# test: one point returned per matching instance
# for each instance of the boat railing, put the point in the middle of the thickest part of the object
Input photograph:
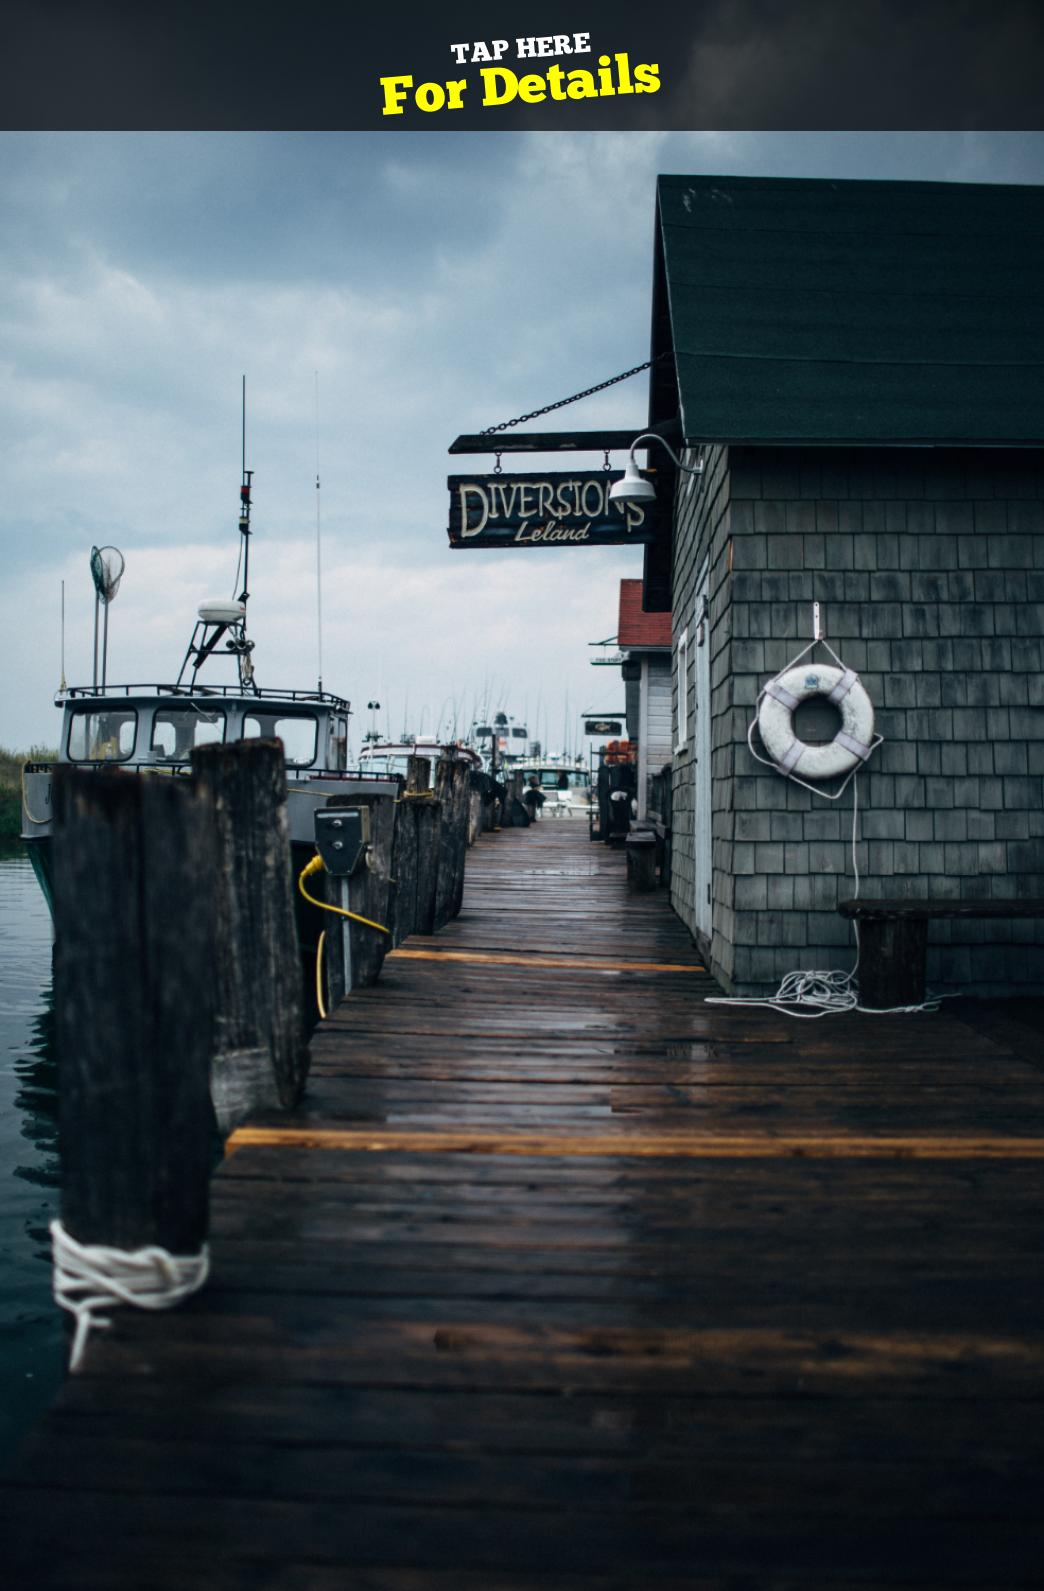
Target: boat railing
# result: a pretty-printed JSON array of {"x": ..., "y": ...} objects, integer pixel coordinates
[
  {"x": 296, "y": 775},
  {"x": 151, "y": 688}
]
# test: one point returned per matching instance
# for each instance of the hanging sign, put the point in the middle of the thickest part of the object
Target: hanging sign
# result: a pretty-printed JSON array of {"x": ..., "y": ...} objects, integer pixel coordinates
[
  {"x": 603, "y": 726},
  {"x": 559, "y": 509}
]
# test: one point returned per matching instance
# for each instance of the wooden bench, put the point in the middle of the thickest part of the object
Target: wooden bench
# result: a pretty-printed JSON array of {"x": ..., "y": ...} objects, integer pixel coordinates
[{"x": 893, "y": 941}]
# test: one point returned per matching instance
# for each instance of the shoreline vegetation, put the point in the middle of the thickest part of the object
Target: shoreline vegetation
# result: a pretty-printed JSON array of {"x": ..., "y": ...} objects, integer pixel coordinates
[{"x": 11, "y": 764}]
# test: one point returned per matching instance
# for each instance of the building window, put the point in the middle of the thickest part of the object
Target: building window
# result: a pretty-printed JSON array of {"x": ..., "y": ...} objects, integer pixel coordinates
[{"x": 683, "y": 691}]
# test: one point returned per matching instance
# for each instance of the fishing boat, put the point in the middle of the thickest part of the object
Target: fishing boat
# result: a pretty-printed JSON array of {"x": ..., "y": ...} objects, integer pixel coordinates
[
  {"x": 392, "y": 757},
  {"x": 502, "y": 742},
  {"x": 564, "y": 785},
  {"x": 156, "y": 727}
]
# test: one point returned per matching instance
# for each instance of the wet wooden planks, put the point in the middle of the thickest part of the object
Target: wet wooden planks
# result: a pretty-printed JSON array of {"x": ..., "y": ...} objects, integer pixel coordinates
[{"x": 592, "y": 1284}]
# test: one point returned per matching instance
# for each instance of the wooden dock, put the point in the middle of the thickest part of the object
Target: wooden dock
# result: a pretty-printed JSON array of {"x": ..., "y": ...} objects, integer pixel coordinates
[{"x": 564, "y": 1279}]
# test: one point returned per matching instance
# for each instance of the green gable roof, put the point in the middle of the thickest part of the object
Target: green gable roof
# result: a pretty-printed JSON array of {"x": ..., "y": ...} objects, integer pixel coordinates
[{"x": 860, "y": 312}]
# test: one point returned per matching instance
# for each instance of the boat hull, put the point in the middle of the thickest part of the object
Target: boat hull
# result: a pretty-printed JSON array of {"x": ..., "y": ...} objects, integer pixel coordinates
[{"x": 304, "y": 799}]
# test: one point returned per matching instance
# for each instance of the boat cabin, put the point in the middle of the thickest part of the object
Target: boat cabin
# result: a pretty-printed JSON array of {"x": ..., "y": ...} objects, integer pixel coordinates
[
  {"x": 142, "y": 726},
  {"x": 393, "y": 757},
  {"x": 566, "y": 787}
]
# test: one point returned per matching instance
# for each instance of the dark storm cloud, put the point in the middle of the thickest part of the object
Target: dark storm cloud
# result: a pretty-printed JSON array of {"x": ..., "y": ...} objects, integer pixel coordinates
[
  {"x": 255, "y": 207},
  {"x": 866, "y": 64}
]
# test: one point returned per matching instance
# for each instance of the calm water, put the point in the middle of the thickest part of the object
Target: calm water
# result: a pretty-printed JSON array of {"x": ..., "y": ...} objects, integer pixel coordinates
[{"x": 31, "y": 1327}]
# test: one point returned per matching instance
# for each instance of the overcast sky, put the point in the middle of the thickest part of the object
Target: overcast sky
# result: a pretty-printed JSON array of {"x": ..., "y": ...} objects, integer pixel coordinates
[{"x": 438, "y": 283}]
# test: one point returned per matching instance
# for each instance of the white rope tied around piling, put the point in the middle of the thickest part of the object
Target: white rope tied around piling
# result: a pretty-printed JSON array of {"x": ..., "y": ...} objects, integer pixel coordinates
[{"x": 89, "y": 1277}]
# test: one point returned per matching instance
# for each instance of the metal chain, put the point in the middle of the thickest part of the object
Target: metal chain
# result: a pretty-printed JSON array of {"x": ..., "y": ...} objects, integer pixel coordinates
[{"x": 506, "y": 425}]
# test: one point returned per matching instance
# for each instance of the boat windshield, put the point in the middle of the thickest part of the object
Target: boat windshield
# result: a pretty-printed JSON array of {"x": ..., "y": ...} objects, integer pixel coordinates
[
  {"x": 559, "y": 778},
  {"x": 102, "y": 735},
  {"x": 177, "y": 730},
  {"x": 386, "y": 762},
  {"x": 298, "y": 732}
]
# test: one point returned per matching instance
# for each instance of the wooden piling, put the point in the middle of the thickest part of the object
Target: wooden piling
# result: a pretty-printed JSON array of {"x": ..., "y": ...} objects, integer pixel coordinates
[
  {"x": 453, "y": 788},
  {"x": 487, "y": 791},
  {"x": 134, "y": 868},
  {"x": 475, "y": 805},
  {"x": 370, "y": 890},
  {"x": 332, "y": 971},
  {"x": 260, "y": 1054},
  {"x": 514, "y": 815},
  {"x": 405, "y": 847},
  {"x": 404, "y": 867},
  {"x": 428, "y": 818},
  {"x": 418, "y": 775}
]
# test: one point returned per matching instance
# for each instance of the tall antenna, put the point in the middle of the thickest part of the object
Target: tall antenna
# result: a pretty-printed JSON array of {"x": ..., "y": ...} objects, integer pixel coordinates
[
  {"x": 318, "y": 546},
  {"x": 245, "y": 667},
  {"x": 62, "y": 686},
  {"x": 241, "y": 646}
]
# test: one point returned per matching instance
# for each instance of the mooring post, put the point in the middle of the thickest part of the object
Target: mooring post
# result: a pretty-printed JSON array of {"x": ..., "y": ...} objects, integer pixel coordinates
[
  {"x": 418, "y": 775},
  {"x": 334, "y": 969},
  {"x": 260, "y": 1053},
  {"x": 428, "y": 818},
  {"x": 501, "y": 818},
  {"x": 474, "y": 806},
  {"x": 462, "y": 791},
  {"x": 515, "y": 814},
  {"x": 452, "y": 786},
  {"x": 404, "y": 868},
  {"x": 483, "y": 783},
  {"x": 134, "y": 860},
  {"x": 370, "y": 892},
  {"x": 415, "y": 794}
]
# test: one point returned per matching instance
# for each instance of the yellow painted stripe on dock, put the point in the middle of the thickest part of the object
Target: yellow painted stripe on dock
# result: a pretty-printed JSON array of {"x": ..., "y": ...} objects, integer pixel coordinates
[
  {"x": 722, "y": 1146},
  {"x": 579, "y": 963}
]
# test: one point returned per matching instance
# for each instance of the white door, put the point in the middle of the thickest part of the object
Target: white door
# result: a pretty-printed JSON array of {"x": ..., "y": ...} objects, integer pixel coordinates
[{"x": 702, "y": 754}]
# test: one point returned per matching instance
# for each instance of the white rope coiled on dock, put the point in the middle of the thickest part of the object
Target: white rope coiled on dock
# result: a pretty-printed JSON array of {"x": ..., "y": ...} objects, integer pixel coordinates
[{"x": 89, "y": 1277}]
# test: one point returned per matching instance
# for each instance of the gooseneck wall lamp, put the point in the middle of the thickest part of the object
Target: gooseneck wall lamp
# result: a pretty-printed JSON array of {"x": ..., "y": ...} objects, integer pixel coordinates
[{"x": 635, "y": 487}]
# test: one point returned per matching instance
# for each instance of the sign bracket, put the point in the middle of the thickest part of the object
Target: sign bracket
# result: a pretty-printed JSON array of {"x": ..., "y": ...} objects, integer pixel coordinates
[{"x": 547, "y": 441}]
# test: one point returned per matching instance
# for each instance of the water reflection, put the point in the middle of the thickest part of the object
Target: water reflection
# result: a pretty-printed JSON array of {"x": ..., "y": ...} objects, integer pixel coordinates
[
  {"x": 31, "y": 1328},
  {"x": 36, "y": 1073}
]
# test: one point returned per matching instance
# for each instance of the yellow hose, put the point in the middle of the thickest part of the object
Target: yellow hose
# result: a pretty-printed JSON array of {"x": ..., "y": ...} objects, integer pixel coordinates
[
  {"x": 319, "y": 974},
  {"x": 316, "y": 865}
]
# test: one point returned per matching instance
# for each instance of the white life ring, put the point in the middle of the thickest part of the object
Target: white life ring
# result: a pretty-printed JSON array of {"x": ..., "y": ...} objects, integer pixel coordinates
[{"x": 851, "y": 745}]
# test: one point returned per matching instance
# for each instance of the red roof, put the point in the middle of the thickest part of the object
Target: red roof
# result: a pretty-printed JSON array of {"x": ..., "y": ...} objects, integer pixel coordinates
[{"x": 637, "y": 629}]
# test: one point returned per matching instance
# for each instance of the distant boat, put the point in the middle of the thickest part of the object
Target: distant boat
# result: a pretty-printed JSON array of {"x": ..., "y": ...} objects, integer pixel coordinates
[
  {"x": 390, "y": 758},
  {"x": 564, "y": 785},
  {"x": 502, "y": 742}
]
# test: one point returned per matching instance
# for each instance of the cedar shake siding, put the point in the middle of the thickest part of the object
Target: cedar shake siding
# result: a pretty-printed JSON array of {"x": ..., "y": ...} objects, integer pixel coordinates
[{"x": 929, "y": 568}]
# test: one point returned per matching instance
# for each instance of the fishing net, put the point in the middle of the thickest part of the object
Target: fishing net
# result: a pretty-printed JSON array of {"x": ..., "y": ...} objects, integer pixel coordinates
[{"x": 107, "y": 571}]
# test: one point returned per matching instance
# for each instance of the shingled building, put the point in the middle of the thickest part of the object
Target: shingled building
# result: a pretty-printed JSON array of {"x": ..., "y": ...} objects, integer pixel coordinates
[
  {"x": 861, "y": 367},
  {"x": 645, "y": 641}
]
